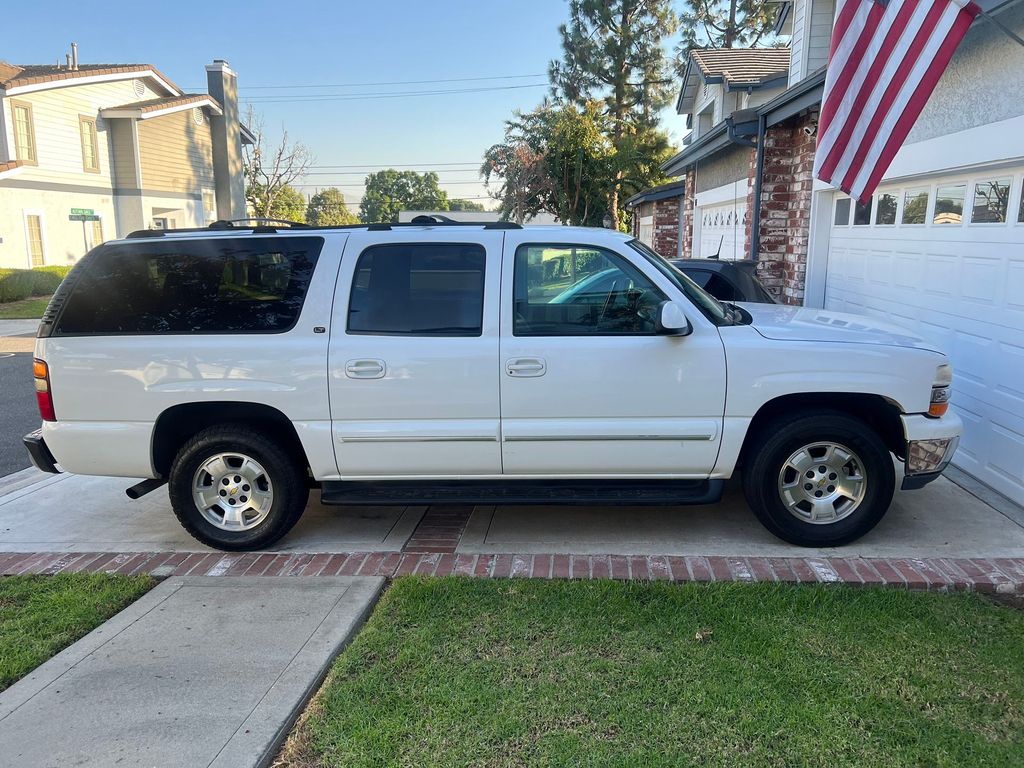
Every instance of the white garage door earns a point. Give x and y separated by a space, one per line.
722 230
946 258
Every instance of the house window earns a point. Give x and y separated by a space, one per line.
34 235
24 133
862 213
949 204
97 233
915 206
886 211
90 145
991 201
842 217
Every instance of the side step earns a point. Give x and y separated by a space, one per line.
575 492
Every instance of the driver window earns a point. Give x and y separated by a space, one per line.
566 290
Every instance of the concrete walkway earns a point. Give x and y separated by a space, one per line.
199 672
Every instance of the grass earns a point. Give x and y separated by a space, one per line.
26 309
41 615
453 672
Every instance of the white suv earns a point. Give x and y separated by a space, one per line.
474 364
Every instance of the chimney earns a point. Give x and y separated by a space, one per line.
74 56
225 130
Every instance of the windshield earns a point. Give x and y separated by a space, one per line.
705 302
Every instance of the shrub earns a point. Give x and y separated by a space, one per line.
16 284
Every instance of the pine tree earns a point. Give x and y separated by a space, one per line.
613 52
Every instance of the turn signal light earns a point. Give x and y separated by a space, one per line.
939 403
938 409
44 398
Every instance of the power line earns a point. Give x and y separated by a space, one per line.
379 82
366 173
396 165
275 99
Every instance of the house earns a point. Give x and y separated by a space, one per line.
90 152
939 248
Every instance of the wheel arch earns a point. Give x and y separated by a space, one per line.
177 424
880 413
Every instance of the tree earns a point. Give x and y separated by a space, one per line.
725 24
269 171
524 179
613 51
289 204
458 204
327 208
390 191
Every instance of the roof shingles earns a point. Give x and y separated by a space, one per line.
742 65
14 76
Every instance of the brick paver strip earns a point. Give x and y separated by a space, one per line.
1004 575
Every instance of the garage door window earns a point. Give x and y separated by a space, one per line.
915 206
949 204
991 200
886 211
862 213
842 212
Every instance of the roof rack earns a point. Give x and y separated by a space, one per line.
265 226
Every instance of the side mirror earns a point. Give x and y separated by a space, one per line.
671 321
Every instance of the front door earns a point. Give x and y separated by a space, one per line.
587 385
414 355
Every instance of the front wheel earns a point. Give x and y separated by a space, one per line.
820 479
234 489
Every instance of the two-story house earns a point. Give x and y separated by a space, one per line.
89 152
940 246
716 84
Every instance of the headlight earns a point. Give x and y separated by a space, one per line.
940 391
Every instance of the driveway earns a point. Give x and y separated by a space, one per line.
18 412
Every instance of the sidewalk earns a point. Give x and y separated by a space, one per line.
199 672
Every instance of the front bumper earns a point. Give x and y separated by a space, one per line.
39 453
930 445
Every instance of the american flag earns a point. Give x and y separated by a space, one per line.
886 57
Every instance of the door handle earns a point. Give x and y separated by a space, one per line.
365 369
525 366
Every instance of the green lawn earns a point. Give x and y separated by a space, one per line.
26 309
41 615
454 672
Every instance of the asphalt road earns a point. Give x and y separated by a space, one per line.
18 412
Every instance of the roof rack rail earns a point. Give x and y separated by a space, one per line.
265 226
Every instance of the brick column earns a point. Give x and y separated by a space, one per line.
687 223
666 227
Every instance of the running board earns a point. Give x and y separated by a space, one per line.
575 492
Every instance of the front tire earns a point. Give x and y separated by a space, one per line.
234 489
821 479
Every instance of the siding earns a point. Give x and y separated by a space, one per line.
55 115
982 84
123 153
725 167
176 154
819 35
796 44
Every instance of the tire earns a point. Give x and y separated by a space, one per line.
268 498
791 496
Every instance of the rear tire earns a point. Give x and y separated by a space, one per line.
821 479
234 489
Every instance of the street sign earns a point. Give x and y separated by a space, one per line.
83 217
83 212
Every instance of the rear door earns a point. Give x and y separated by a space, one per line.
414 355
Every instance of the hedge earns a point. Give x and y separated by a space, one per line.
18 284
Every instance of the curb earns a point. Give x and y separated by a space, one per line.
993 575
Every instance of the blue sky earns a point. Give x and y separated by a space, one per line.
322 44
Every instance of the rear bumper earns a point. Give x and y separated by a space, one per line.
39 453
930 446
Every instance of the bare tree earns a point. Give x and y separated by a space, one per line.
269 170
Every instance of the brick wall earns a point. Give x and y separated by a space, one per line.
691 180
666 227
785 210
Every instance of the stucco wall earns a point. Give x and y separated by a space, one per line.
984 82
727 166
62 239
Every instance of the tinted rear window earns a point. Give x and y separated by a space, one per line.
232 285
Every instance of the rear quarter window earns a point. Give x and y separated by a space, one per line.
232 285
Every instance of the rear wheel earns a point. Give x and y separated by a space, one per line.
234 489
821 479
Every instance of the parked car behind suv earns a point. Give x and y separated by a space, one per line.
473 363
726 280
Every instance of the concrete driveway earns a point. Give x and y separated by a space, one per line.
67 513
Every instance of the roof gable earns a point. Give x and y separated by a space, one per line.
33 77
735 68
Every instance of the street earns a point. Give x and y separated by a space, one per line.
18 414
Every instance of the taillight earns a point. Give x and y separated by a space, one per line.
44 397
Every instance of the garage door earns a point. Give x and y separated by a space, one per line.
722 230
946 258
